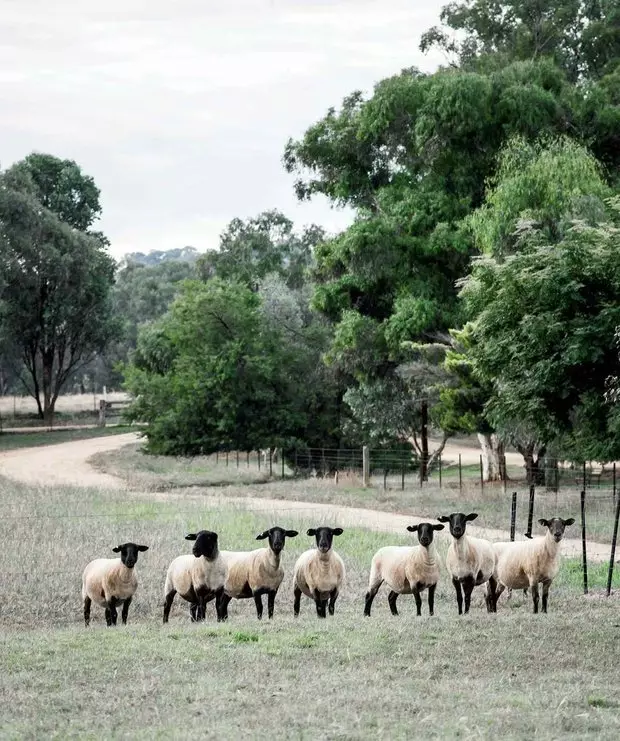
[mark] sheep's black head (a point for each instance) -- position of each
(205, 545)
(458, 522)
(129, 553)
(556, 526)
(425, 531)
(324, 536)
(277, 536)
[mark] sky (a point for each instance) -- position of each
(181, 110)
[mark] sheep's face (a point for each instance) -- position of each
(556, 526)
(205, 545)
(129, 553)
(277, 536)
(425, 532)
(324, 536)
(458, 522)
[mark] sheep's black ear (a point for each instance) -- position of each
(413, 528)
(443, 518)
(311, 531)
(471, 516)
(543, 522)
(291, 533)
(438, 527)
(191, 536)
(570, 521)
(337, 531)
(118, 549)
(143, 548)
(262, 536)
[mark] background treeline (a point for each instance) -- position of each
(476, 291)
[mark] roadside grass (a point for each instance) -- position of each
(160, 473)
(512, 675)
(15, 440)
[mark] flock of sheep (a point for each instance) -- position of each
(210, 574)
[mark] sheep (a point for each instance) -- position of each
(524, 564)
(254, 573)
(198, 577)
(470, 562)
(406, 569)
(111, 581)
(319, 572)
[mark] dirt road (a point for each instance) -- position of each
(67, 464)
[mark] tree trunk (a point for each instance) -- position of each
(493, 459)
(534, 474)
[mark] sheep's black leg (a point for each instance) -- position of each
(459, 595)
(222, 611)
(113, 613)
(125, 611)
(431, 599)
(332, 601)
(108, 617)
(87, 602)
(468, 587)
(370, 595)
(297, 602)
(320, 604)
(491, 598)
(392, 597)
(258, 601)
(418, 601)
(535, 597)
(545, 594)
(271, 602)
(168, 604)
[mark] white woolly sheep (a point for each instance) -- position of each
(198, 577)
(319, 572)
(110, 582)
(470, 562)
(525, 563)
(406, 570)
(254, 573)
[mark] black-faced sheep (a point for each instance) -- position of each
(527, 563)
(319, 572)
(198, 577)
(470, 562)
(110, 582)
(406, 570)
(255, 573)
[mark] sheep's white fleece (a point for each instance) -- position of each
(522, 564)
(321, 571)
(469, 556)
(187, 571)
(104, 578)
(402, 567)
(260, 569)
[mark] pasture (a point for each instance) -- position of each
(512, 674)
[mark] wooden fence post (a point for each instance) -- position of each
(102, 406)
(365, 466)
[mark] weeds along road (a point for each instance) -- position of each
(67, 464)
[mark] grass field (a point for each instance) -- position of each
(512, 675)
(12, 441)
(149, 473)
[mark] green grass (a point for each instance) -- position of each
(160, 473)
(15, 440)
(510, 675)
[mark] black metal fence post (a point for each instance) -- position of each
(237, 459)
(402, 474)
(613, 481)
(610, 573)
(481, 475)
(282, 460)
(440, 470)
(270, 464)
(513, 515)
(460, 475)
(258, 454)
(227, 459)
(247, 458)
(530, 512)
(584, 553)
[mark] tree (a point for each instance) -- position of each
(218, 372)
(541, 336)
(581, 36)
(55, 296)
(250, 250)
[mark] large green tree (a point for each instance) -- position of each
(55, 309)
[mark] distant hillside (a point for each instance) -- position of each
(155, 257)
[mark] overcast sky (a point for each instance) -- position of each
(180, 109)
